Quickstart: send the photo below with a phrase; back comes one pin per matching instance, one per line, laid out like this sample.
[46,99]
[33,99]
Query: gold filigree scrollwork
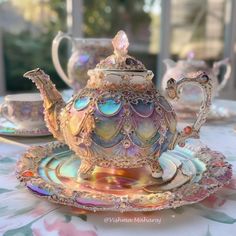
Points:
[173,91]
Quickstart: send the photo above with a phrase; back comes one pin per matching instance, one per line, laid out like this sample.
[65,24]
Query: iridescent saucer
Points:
[190,175]
[9,129]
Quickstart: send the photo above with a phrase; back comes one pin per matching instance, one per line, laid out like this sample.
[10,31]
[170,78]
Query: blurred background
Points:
[157,29]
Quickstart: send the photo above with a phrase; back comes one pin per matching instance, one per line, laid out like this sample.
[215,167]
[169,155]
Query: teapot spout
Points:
[52,100]
[169,63]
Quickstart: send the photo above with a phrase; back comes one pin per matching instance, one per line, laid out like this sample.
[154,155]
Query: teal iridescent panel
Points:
[81,103]
[176,161]
[70,168]
[42,173]
[45,161]
[52,174]
[195,166]
[109,107]
[6,130]
[53,164]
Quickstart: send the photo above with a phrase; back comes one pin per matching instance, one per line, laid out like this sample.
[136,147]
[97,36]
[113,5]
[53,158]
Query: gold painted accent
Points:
[173,90]
[119,75]
[53,102]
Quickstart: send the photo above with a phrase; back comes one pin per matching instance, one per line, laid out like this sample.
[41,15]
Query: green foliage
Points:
[106,17]
[102,18]
[27,50]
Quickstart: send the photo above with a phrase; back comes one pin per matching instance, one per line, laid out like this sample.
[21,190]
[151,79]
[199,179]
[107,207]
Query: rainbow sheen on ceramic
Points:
[83,59]
[119,120]
[81,103]
[109,106]
[37,190]
[120,189]
[10,129]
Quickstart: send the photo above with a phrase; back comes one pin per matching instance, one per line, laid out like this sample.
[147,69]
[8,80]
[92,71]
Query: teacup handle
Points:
[55,57]
[173,90]
[216,66]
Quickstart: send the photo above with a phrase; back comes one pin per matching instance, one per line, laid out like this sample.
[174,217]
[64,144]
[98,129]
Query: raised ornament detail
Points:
[119,120]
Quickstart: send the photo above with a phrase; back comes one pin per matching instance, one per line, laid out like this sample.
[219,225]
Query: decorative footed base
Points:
[189,175]
[85,170]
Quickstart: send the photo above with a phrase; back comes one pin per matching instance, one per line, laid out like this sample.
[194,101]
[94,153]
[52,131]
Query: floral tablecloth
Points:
[21,213]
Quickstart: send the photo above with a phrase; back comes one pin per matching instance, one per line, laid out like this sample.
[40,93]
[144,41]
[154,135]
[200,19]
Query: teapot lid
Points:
[120,71]
[120,60]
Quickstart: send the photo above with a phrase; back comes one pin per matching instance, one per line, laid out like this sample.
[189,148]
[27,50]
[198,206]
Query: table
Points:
[21,213]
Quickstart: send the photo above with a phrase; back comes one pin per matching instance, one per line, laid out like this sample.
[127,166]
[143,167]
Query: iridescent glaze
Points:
[54,177]
[109,106]
[37,190]
[81,103]
[119,120]
[8,128]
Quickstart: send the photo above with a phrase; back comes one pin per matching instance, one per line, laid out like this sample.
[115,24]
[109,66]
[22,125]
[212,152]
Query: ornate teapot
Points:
[119,120]
[191,94]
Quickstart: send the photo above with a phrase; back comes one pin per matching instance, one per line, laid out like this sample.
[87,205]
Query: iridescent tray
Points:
[7,128]
[190,175]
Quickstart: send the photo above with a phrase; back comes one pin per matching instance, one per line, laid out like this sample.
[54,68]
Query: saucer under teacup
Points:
[8,128]
[22,115]
[24,110]
[190,174]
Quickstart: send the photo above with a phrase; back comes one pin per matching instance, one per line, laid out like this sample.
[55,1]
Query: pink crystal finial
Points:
[190,55]
[120,43]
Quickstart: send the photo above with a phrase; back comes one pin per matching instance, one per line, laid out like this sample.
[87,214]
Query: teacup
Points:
[24,110]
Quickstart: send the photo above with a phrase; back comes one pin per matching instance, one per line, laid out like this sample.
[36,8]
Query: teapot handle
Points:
[225,62]
[173,90]
[55,58]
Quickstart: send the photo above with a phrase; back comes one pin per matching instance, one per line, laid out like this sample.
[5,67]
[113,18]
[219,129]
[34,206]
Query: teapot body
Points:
[120,127]
[119,120]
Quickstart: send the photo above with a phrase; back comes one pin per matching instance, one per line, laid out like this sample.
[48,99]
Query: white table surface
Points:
[21,213]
